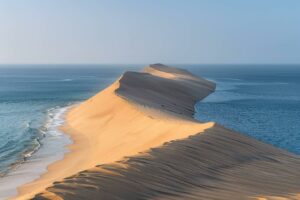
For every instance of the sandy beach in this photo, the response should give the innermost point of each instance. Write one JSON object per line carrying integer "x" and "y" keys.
{"x": 137, "y": 139}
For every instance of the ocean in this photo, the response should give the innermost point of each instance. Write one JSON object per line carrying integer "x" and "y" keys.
{"x": 32, "y": 104}
{"x": 262, "y": 101}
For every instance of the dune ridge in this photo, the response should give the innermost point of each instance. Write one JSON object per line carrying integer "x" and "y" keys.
{"x": 137, "y": 139}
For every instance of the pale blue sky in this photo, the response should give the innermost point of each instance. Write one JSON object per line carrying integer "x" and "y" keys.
{"x": 149, "y": 31}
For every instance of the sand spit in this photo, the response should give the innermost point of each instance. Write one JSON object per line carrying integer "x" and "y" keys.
{"x": 137, "y": 140}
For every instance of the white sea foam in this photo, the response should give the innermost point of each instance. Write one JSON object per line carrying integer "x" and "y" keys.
{"x": 66, "y": 80}
{"x": 50, "y": 149}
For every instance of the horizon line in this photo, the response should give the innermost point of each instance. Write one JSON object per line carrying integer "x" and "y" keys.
{"x": 167, "y": 63}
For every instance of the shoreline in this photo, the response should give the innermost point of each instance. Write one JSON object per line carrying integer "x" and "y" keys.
{"x": 52, "y": 148}
{"x": 22, "y": 192}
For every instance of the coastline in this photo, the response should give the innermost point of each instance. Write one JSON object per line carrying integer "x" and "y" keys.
{"x": 124, "y": 125}
{"x": 51, "y": 149}
{"x": 53, "y": 167}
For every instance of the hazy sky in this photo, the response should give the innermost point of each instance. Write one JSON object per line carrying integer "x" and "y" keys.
{"x": 149, "y": 31}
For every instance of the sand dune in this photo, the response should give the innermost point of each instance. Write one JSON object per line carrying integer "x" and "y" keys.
{"x": 137, "y": 140}
{"x": 108, "y": 127}
{"x": 215, "y": 164}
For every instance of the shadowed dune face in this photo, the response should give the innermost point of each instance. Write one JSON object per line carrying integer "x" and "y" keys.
{"x": 217, "y": 164}
{"x": 171, "y": 95}
{"x": 164, "y": 88}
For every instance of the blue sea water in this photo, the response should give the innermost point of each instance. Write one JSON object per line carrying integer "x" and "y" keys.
{"x": 260, "y": 101}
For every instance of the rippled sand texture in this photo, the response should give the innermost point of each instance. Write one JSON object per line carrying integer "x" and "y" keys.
{"x": 216, "y": 164}
{"x": 145, "y": 144}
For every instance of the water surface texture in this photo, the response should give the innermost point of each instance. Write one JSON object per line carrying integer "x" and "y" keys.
{"x": 260, "y": 101}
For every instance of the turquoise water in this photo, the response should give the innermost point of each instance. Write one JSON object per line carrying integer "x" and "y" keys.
{"x": 260, "y": 101}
